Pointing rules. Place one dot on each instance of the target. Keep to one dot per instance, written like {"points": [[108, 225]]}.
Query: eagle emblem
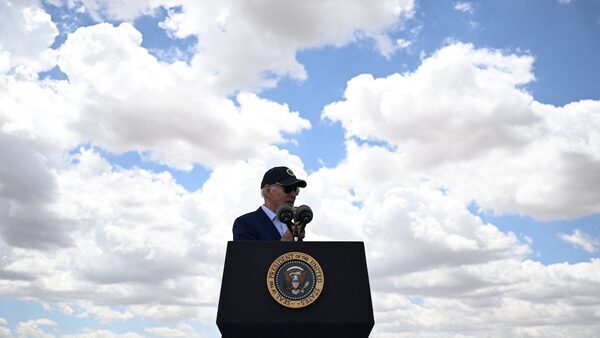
{"points": [[295, 277]]}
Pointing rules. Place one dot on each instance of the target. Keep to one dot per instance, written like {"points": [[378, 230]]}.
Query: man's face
{"points": [[275, 196]]}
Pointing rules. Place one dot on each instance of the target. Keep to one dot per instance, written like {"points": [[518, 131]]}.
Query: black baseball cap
{"points": [[283, 176]]}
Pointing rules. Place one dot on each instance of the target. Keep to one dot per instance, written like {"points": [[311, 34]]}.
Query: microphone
{"points": [[303, 214], [285, 214]]}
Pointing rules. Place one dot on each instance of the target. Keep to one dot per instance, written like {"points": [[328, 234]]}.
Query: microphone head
{"points": [[285, 213], [303, 214]]}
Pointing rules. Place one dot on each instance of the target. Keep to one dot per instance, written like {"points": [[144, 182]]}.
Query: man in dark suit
{"points": [[279, 186]]}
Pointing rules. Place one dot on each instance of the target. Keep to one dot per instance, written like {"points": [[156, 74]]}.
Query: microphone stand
{"points": [[300, 229], [297, 232], [294, 231]]}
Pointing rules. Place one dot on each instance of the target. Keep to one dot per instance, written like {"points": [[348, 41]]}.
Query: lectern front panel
{"points": [[248, 309]]}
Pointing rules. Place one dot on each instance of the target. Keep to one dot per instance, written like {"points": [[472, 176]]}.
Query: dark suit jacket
{"points": [[255, 226]]}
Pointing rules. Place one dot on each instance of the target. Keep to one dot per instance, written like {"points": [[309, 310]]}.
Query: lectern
{"points": [[295, 289]]}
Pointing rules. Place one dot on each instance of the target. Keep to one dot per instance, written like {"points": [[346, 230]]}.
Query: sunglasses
{"points": [[289, 188]]}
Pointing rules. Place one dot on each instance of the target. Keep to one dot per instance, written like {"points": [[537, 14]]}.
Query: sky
{"points": [[459, 140]]}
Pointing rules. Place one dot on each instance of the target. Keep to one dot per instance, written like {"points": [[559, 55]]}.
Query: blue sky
{"points": [[460, 140]]}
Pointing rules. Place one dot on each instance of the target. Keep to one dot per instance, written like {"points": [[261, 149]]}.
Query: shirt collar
{"points": [[269, 212]]}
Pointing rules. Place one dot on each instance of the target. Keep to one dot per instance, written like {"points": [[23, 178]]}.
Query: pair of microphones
{"points": [[290, 215]]}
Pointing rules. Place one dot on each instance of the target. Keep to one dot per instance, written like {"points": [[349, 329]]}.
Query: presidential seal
{"points": [[295, 280]]}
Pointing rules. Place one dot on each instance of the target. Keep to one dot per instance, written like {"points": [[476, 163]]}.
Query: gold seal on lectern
{"points": [[295, 280]]}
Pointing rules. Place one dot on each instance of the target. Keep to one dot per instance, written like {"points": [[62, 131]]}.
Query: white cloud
{"points": [[27, 187], [114, 244], [484, 299], [4, 62], [269, 34], [36, 328], [88, 333], [181, 330], [465, 7], [424, 244], [463, 119], [176, 117], [114, 10], [26, 22], [403, 216], [108, 69], [139, 240], [101, 58], [402, 43], [121, 98], [388, 48], [4, 330], [562, 162], [400, 207], [476, 88], [421, 243], [581, 240]]}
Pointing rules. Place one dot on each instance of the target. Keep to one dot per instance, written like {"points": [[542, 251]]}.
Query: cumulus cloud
{"points": [[484, 298], [433, 264], [422, 244], [26, 22], [36, 328], [465, 7], [426, 112], [269, 33], [27, 189], [102, 334], [125, 219], [404, 217], [436, 270], [464, 118], [63, 210], [139, 240], [581, 240], [552, 177], [108, 69], [121, 98], [45, 328], [95, 240], [4, 330], [101, 10], [483, 303], [182, 330], [102, 58]]}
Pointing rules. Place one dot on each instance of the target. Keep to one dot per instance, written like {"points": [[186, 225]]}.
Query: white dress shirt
{"points": [[279, 225]]}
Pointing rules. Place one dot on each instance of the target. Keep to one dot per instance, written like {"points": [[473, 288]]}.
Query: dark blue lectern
{"points": [[248, 308]]}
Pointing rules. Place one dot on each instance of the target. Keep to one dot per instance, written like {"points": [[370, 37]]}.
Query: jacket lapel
{"points": [[268, 226]]}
